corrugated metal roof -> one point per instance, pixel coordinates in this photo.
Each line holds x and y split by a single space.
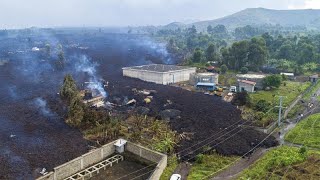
205 84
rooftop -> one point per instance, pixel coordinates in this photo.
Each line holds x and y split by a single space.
158 67
253 76
248 82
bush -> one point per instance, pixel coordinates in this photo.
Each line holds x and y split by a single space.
199 158
262 105
244 70
241 99
272 81
223 69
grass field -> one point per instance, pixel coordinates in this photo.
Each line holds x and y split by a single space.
268 166
291 90
211 165
307 132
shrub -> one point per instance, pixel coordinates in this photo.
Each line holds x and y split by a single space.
262 105
199 158
272 81
244 70
223 69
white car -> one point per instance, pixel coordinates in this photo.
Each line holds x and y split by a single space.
175 177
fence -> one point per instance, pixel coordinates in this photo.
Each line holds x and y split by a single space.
76 165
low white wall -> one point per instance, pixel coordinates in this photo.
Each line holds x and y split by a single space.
67 169
153 156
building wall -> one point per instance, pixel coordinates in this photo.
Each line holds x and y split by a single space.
144 75
160 77
150 155
201 77
247 87
177 76
67 169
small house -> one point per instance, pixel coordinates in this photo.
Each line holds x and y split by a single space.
206 86
245 85
314 78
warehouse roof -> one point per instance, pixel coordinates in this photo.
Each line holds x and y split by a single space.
158 67
252 76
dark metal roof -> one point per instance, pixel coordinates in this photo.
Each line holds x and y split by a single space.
158 67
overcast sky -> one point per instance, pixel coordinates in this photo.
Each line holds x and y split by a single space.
48 13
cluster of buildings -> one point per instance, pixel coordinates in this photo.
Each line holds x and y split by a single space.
170 74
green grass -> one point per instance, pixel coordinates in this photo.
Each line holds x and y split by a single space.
292 90
211 164
272 161
172 165
306 132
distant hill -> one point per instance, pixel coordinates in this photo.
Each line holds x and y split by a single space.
259 16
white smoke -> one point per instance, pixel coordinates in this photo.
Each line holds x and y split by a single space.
85 65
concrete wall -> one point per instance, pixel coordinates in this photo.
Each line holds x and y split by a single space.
97 155
159 77
155 77
177 76
150 155
79 163
247 87
204 77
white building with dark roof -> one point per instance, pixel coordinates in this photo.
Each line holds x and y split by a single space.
159 73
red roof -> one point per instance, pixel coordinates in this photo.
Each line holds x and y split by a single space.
210 67
248 82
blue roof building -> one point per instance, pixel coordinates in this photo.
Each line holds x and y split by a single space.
206 86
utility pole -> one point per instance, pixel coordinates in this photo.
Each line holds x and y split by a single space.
280 110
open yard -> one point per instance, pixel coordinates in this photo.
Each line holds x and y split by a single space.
291 90
275 163
307 132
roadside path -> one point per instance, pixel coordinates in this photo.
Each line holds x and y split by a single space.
234 170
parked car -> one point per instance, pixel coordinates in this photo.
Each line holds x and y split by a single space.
175 177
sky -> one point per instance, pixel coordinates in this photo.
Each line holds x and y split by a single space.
57 13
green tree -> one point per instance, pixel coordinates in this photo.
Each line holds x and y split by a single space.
244 70
223 69
257 53
68 90
272 81
209 29
197 55
211 53
75 112
48 49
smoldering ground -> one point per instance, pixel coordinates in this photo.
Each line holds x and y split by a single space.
33 132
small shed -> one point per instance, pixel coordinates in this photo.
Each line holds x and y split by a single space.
245 85
206 86
314 78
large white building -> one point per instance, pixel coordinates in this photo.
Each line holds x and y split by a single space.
159 73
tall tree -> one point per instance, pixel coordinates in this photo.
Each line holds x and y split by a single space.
257 54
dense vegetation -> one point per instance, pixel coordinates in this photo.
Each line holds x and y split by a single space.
307 132
244 49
